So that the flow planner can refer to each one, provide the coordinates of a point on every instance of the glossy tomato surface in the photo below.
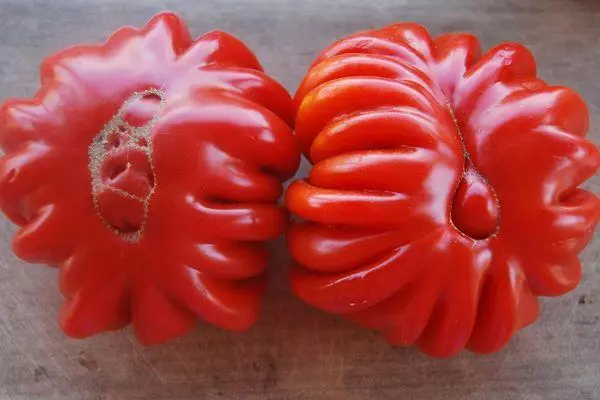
(148, 169)
(444, 194)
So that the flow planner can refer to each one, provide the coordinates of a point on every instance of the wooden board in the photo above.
(295, 352)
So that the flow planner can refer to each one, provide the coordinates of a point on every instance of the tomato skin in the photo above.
(148, 169)
(443, 198)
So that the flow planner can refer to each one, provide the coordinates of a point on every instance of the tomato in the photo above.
(444, 198)
(148, 169)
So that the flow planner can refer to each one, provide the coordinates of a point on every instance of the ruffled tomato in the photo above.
(444, 195)
(148, 170)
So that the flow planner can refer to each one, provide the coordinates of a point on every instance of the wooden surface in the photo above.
(295, 352)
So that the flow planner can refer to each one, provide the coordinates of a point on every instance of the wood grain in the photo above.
(296, 352)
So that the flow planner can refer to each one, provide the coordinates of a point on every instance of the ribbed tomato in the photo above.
(148, 170)
(444, 194)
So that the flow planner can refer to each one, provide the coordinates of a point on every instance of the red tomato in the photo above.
(148, 169)
(444, 195)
